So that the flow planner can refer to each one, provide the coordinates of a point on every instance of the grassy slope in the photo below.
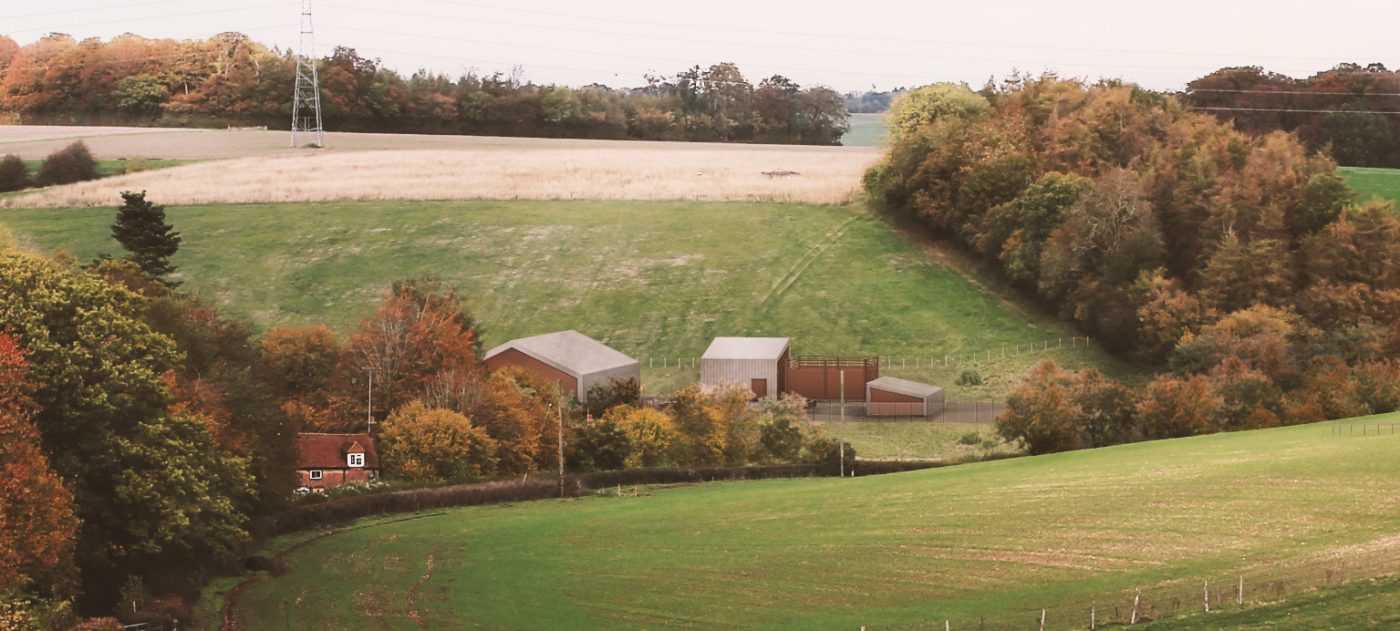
(999, 539)
(653, 279)
(1384, 183)
(912, 440)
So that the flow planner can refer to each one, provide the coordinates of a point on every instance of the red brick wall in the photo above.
(335, 477)
(512, 357)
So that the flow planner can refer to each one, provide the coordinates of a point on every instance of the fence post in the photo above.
(1207, 595)
(1042, 620)
(1136, 600)
(1093, 618)
(1239, 600)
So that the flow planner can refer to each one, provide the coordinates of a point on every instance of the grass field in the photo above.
(116, 166)
(1383, 183)
(988, 543)
(867, 130)
(656, 280)
(919, 440)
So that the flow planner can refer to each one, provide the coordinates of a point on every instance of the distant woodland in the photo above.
(230, 79)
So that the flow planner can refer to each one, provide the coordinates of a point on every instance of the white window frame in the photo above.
(317, 474)
(355, 459)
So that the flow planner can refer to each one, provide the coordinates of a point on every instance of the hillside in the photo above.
(1288, 510)
(656, 279)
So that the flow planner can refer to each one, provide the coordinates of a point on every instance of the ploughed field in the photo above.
(656, 280)
(1290, 511)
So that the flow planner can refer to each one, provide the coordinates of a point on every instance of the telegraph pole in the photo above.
(306, 96)
(369, 402)
(559, 406)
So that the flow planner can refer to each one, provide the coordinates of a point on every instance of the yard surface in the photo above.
(656, 280)
(990, 544)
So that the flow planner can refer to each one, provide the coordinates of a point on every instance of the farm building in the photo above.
(757, 362)
(573, 360)
(892, 396)
(327, 460)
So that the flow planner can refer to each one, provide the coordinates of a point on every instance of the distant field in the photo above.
(987, 545)
(1384, 183)
(117, 166)
(867, 130)
(624, 171)
(657, 280)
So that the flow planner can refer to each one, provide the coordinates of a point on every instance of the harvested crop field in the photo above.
(630, 172)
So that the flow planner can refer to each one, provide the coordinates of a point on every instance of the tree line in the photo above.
(230, 79)
(1337, 109)
(1243, 265)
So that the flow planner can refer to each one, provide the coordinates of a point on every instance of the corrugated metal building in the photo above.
(759, 363)
(892, 396)
(574, 360)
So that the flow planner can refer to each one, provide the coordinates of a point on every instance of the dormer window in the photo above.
(355, 459)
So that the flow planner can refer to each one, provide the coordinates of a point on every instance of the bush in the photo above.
(970, 438)
(970, 378)
(604, 397)
(13, 174)
(73, 163)
(435, 445)
(135, 165)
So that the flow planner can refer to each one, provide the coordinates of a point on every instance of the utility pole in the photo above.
(841, 444)
(369, 402)
(559, 406)
(306, 96)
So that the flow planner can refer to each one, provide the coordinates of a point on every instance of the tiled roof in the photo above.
(327, 451)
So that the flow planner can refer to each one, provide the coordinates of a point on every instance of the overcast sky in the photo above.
(846, 45)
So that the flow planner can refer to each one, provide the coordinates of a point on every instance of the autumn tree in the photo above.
(435, 445)
(651, 435)
(1040, 413)
(36, 508)
(780, 428)
(141, 230)
(1172, 407)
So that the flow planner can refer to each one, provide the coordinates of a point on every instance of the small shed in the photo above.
(892, 396)
(574, 360)
(757, 362)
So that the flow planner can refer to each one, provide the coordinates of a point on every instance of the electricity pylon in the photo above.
(306, 97)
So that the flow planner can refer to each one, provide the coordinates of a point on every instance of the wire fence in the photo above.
(1213, 594)
(920, 361)
(1363, 428)
(934, 412)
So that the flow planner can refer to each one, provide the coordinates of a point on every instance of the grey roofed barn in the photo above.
(757, 363)
(747, 348)
(591, 362)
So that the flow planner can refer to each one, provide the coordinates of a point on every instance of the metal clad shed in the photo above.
(755, 362)
(892, 396)
(576, 361)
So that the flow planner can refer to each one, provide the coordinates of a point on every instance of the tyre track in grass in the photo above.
(804, 262)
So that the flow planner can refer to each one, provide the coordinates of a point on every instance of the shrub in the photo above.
(604, 397)
(135, 165)
(600, 445)
(969, 378)
(73, 163)
(970, 438)
(13, 174)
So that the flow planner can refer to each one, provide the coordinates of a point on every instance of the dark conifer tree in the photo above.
(142, 231)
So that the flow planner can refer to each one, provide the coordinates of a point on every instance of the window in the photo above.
(356, 460)
(315, 474)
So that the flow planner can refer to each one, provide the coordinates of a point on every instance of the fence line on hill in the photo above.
(916, 361)
(1215, 594)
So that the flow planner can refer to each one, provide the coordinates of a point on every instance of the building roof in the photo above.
(747, 348)
(904, 387)
(569, 351)
(327, 451)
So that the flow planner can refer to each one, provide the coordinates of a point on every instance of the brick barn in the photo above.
(327, 460)
(758, 363)
(573, 360)
(892, 396)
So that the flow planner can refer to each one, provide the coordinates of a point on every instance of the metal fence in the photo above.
(919, 360)
(1363, 428)
(939, 412)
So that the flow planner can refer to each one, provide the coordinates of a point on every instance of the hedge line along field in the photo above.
(990, 543)
(656, 280)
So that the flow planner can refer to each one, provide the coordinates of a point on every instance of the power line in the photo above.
(145, 17)
(1305, 92)
(864, 37)
(86, 10)
(823, 49)
(1289, 110)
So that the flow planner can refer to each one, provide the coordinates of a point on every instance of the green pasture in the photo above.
(867, 130)
(657, 280)
(1368, 182)
(984, 545)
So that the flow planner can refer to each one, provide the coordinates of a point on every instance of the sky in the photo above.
(850, 45)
